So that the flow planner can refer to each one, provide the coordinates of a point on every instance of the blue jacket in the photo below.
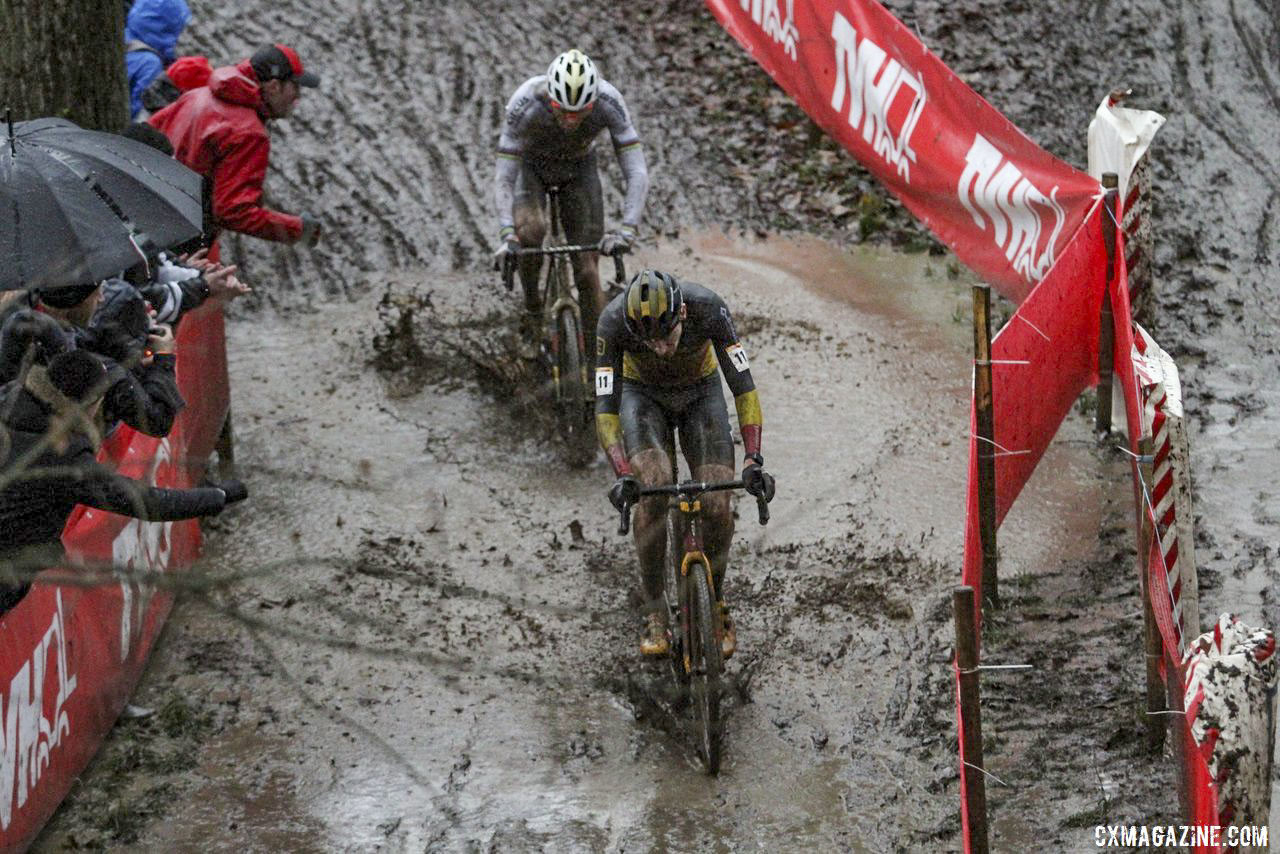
(156, 24)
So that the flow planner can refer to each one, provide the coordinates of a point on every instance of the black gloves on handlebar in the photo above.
(758, 482)
(624, 492)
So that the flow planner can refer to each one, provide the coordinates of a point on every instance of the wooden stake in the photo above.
(1153, 646)
(973, 771)
(226, 448)
(983, 404)
(1106, 322)
(1180, 739)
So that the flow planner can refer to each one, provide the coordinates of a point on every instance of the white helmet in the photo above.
(572, 80)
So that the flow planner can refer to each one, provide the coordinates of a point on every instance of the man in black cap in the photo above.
(220, 131)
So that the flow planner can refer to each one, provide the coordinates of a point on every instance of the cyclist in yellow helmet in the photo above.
(661, 347)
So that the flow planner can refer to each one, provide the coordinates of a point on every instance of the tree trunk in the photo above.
(64, 58)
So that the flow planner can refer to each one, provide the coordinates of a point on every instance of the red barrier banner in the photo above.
(70, 654)
(1005, 206)
(1042, 359)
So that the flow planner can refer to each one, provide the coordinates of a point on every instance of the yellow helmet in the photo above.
(652, 301)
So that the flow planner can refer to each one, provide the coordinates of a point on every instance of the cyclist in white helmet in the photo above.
(547, 140)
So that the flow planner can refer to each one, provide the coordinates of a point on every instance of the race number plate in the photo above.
(738, 356)
(604, 382)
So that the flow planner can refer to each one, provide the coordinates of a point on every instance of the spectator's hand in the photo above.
(624, 492)
(618, 242)
(311, 228)
(508, 248)
(159, 340)
(217, 274)
(757, 481)
(223, 285)
(229, 289)
(198, 259)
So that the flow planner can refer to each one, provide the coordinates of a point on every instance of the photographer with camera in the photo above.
(140, 356)
(141, 362)
(47, 467)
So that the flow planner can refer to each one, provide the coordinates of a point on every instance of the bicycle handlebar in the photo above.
(690, 489)
(509, 262)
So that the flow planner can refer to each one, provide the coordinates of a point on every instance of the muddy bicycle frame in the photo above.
(695, 622)
(557, 294)
(566, 340)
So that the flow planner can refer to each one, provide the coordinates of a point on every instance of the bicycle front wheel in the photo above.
(574, 404)
(707, 665)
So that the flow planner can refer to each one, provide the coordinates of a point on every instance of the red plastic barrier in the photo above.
(1200, 795)
(1005, 206)
(70, 655)
(1044, 357)
(1023, 220)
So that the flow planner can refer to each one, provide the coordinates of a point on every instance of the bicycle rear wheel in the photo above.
(574, 407)
(708, 667)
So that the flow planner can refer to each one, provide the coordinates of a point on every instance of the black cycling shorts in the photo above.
(581, 202)
(651, 416)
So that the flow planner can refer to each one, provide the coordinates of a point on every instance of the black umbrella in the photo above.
(78, 205)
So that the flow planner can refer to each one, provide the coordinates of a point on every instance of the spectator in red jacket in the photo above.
(220, 131)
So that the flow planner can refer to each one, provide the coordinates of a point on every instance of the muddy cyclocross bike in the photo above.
(564, 339)
(695, 624)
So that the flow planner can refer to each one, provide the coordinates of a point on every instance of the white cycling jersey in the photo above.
(532, 134)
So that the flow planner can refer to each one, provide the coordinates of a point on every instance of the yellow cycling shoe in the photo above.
(654, 640)
(728, 640)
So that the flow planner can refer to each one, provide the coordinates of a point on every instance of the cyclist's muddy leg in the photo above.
(717, 522)
(582, 211)
(586, 275)
(708, 448)
(531, 228)
(652, 468)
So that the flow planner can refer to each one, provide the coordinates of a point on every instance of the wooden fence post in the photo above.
(226, 448)
(975, 784)
(983, 404)
(1106, 324)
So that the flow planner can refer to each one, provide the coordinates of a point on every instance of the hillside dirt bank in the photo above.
(431, 657)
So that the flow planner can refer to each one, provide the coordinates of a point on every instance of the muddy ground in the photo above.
(434, 649)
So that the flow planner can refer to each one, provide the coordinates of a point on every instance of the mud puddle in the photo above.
(434, 647)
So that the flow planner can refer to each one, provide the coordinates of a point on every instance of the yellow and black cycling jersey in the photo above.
(708, 340)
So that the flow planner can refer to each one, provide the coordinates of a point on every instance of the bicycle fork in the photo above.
(692, 547)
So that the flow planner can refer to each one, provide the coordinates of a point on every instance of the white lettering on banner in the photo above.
(876, 87)
(28, 738)
(994, 189)
(781, 30)
(140, 548)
